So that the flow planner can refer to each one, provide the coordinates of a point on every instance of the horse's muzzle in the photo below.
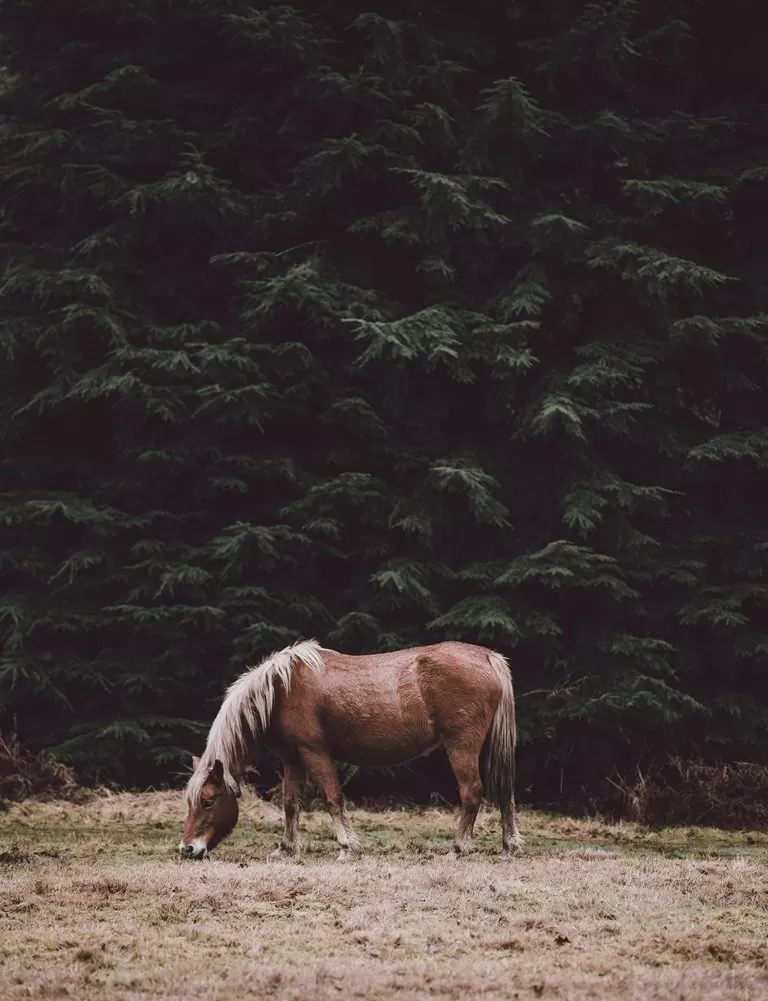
(193, 851)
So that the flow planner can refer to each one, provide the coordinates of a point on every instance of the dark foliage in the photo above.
(385, 325)
(692, 792)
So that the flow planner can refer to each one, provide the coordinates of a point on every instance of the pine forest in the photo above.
(385, 324)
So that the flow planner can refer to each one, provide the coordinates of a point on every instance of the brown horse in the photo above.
(313, 706)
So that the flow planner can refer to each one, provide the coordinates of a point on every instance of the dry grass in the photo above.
(94, 904)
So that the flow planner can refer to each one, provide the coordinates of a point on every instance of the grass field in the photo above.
(94, 904)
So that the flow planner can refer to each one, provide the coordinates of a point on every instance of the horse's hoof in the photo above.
(284, 854)
(513, 852)
(346, 855)
(513, 849)
(462, 851)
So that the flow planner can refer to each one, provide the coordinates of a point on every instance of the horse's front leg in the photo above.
(293, 781)
(321, 770)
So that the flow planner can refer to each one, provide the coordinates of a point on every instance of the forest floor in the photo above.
(95, 903)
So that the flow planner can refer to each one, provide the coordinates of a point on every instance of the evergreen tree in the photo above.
(385, 326)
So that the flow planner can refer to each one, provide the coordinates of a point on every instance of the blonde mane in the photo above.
(246, 711)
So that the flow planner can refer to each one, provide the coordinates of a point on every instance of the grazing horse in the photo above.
(313, 706)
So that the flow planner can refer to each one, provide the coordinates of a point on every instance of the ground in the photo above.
(95, 904)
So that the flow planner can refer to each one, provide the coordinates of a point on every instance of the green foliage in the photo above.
(458, 332)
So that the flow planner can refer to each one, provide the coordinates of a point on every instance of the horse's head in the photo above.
(212, 813)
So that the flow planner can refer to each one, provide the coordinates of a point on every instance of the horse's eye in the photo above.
(207, 804)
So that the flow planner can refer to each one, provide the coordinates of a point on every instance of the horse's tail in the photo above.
(500, 761)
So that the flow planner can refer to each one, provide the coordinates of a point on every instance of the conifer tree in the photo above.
(385, 326)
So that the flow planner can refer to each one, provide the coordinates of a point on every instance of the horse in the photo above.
(313, 706)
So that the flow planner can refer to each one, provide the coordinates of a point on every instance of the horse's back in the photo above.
(450, 654)
(389, 707)
(427, 668)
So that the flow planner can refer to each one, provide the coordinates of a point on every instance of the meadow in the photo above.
(95, 903)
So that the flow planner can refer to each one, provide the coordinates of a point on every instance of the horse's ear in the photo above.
(218, 771)
(195, 763)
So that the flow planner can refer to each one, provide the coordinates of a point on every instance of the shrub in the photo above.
(25, 773)
(694, 792)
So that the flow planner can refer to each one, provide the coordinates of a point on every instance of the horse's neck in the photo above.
(237, 765)
(234, 754)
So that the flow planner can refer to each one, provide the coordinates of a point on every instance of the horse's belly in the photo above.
(375, 753)
(380, 732)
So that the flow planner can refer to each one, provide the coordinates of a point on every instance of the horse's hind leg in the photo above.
(465, 763)
(321, 770)
(511, 839)
(293, 780)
